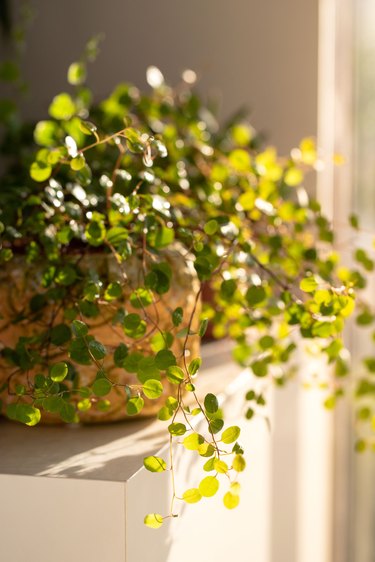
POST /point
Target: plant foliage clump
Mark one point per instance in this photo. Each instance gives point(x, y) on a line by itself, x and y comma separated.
point(131, 178)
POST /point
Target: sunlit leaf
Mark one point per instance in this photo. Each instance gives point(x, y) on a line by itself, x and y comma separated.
point(155, 464)
point(192, 495)
point(231, 434)
point(231, 500)
point(208, 486)
point(153, 520)
point(59, 371)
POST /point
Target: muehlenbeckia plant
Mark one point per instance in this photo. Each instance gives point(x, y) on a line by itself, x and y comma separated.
point(134, 179)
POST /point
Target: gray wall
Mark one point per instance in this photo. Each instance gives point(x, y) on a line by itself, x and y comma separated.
point(257, 53)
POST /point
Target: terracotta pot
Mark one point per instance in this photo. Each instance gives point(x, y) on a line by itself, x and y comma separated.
point(19, 281)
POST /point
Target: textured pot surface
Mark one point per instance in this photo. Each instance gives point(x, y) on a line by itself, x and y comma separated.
point(21, 281)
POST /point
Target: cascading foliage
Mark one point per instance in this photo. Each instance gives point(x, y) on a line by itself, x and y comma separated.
point(126, 181)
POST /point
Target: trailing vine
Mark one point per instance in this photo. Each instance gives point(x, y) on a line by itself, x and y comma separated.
point(137, 203)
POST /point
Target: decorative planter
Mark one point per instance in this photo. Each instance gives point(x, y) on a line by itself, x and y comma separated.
point(21, 281)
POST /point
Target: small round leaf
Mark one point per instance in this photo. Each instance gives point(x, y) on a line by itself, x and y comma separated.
point(192, 495)
point(177, 429)
point(194, 366)
point(152, 388)
point(155, 464)
point(59, 371)
point(175, 374)
point(211, 403)
point(79, 328)
point(209, 486)
point(239, 463)
point(231, 500)
point(134, 405)
point(164, 359)
point(192, 441)
point(102, 387)
point(216, 425)
point(153, 520)
point(231, 434)
point(308, 284)
point(221, 466)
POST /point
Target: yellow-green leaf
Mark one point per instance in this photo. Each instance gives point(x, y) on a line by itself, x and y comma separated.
point(76, 73)
point(152, 388)
point(40, 171)
point(293, 177)
point(209, 486)
point(192, 495)
point(235, 488)
point(59, 371)
point(153, 520)
point(175, 374)
point(239, 463)
point(155, 464)
point(62, 107)
point(192, 441)
point(231, 500)
point(240, 160)
point(231, 434)
point(78, 162)
point(134, 405)
point(308, 284)
point(221, 466)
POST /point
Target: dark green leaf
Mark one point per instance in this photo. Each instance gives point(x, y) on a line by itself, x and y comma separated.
point(260, 368)
point(203, 327)
point(177, 429)
point(66, 276)
point(216, 425)
point(95, 233)
point(177, 316)
point(120, 354)
point(24, 413)
point(134, 326)
point(164, 359)
point(255, 295)
point(68, 412)
point(79, 328)
point(53, 404)
point(79, 353)
point(113, 291)
point(97, 350)
point(102, 387)
point(211, 403)
point(60, 334)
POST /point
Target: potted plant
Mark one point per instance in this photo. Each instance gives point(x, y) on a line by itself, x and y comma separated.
point(112, 228)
